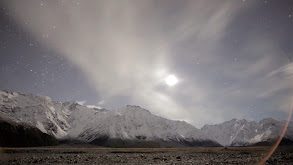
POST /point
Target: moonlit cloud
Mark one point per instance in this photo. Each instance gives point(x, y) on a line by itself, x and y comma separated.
point(127, 48)
point(81, 102)
point(94, 106)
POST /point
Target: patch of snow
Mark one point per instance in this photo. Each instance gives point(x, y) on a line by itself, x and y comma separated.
point(41, 127)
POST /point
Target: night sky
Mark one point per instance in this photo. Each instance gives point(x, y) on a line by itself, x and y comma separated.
point(232, 58)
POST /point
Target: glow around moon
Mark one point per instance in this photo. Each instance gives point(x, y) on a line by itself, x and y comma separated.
point(171, 80)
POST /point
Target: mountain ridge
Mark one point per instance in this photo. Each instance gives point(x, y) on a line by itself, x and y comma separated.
point(129, 124)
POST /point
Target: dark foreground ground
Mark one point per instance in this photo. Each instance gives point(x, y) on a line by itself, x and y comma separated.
point(90, 155)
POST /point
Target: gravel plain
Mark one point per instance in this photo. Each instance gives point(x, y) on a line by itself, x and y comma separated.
point(91, 155)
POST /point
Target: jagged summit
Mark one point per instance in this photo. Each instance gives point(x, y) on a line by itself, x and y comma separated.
point(132, 108)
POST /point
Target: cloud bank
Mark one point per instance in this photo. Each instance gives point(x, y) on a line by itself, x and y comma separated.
point(126, 48)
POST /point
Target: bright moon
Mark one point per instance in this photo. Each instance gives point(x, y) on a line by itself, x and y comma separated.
point(171, 80)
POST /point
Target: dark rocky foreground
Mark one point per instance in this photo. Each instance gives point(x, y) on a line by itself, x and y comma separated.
point(89, 155)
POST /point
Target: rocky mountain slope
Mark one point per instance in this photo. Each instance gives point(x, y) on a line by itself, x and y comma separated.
point(18, 134)
point(129, 125)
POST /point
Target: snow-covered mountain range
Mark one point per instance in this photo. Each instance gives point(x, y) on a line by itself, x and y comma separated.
point(70, 120)
point(242, 132)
